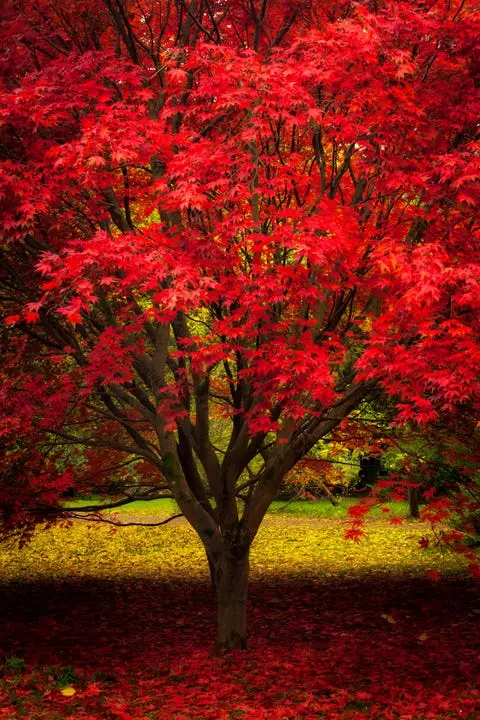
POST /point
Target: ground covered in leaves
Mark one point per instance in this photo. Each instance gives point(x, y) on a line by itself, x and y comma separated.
point(119, 626)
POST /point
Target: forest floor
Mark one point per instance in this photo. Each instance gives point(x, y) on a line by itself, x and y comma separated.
point(119, 624)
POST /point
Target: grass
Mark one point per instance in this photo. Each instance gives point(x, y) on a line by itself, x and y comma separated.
point(325, 509)
point(161, 507)
point(297, 508)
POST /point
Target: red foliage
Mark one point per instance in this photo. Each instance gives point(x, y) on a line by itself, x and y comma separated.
point(440, 510)
point(387, 99)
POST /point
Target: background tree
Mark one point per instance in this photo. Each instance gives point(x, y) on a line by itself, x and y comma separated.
point(252, 213)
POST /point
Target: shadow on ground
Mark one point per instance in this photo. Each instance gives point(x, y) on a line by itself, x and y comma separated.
point(350, 648)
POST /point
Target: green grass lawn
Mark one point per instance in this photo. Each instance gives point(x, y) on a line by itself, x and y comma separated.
point(297, 508)
point(325, 509)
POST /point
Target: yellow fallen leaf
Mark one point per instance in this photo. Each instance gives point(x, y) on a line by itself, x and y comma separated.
point(68, 691)
point(422, 637)
point(389, 619)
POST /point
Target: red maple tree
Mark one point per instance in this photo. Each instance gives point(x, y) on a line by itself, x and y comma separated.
point(251, 215)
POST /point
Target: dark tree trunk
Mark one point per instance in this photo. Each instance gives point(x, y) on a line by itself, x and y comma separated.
point(231, 589)
point(413, 502)
point(213, 578)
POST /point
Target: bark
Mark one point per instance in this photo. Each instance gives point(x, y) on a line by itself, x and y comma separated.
point(231, 590)
point(413, 502)
point(328, 493)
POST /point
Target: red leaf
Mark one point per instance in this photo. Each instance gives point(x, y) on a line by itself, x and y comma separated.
point(31, 316)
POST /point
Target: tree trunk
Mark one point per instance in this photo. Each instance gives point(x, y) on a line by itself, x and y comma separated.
point(231, 589)
point(328, 493)
point(413, 502)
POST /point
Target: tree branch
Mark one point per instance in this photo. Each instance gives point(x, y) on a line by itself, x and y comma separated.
point(127, 524)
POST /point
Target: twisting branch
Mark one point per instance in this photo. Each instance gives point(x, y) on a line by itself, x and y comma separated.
point(94, 518)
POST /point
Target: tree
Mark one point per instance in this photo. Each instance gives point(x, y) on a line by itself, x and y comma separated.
point(255, 214)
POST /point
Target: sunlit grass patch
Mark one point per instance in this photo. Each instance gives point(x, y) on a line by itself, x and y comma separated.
point(321, 508)
point(159, 507)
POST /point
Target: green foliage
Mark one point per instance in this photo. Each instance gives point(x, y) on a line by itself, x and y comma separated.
point(62, 675)
point(15, 664)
